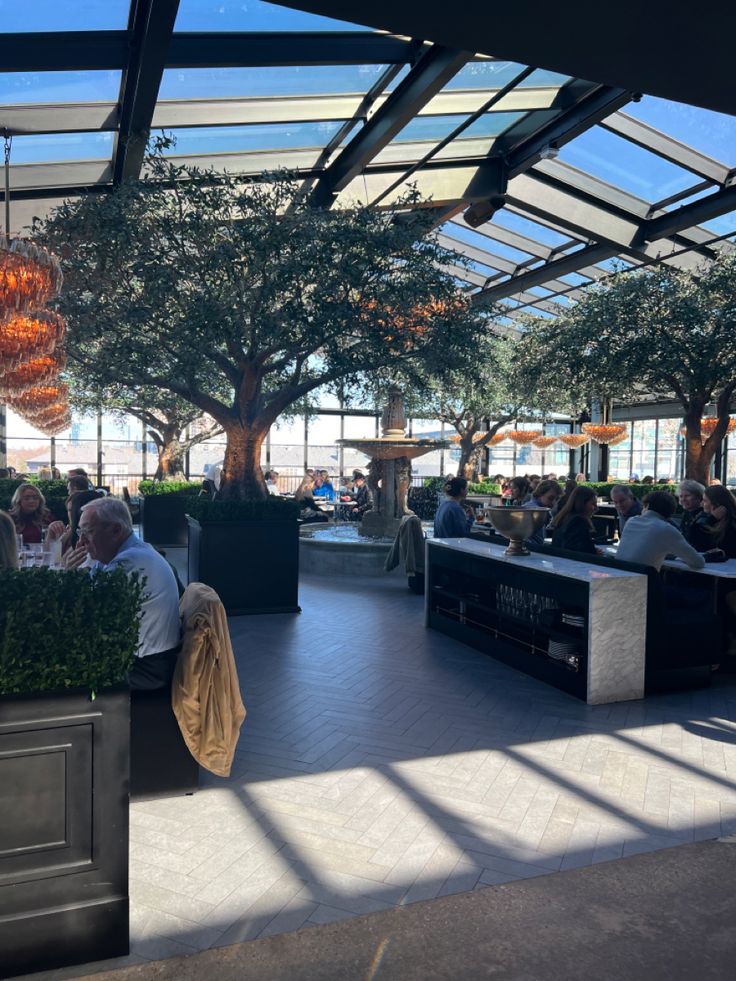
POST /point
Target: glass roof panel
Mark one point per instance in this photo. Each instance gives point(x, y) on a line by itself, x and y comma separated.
point(574, 279)
point(525, 226)
point(496, 74)
point(38, 88)
point(239, 139)
point(53, 15)
point(244, 83)
point(58, 147)
point(436, 128)
point(479, 241)
point(253, 15)
point(723, 225)
point(619, 162)
point(712, 133)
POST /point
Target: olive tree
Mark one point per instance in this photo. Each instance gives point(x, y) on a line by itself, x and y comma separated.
point(241, 298)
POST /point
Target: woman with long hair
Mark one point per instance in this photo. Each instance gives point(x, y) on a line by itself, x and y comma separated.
point(31, 516)
point(573, 526)
point(8, 543)
point(310, 510)
point(719, 506)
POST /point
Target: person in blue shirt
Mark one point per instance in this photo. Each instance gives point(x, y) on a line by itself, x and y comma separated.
point(454, 519)
point(323, 486)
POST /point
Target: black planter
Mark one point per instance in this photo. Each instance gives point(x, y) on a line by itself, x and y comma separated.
point(163, 519)
point(253, 566)
point(63, 829)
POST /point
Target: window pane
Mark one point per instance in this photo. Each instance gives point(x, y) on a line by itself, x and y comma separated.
point(239, 139)
point(713, 133)
point(65, 15)
point(222, 83)
point(58, 147)
point(38, 88)
point(234, 15)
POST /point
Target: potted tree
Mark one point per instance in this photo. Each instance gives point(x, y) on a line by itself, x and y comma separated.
point(242, 298)
point(66, 642)
point(163, 508)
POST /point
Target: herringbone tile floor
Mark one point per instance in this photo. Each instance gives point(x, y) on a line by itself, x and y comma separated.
point(382, 764)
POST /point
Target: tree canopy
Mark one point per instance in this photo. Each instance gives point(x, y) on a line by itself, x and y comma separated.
point(241, 298)
point(660, 332)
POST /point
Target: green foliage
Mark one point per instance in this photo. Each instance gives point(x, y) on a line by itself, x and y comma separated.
point(49, 488)
point(273, 508)
point(423, 500)
point(484, 487)
point(241, 297)
point(66, 630)
point(434, 483)
point(153, 488)
point(638, 490)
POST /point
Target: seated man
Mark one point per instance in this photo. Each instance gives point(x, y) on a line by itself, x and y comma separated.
point(693, 523)
point(106, 536)
point(454, 519)
point(546, 494)
point(627, 506)
point(649, 538)
point(272, 482)
point(363, 499)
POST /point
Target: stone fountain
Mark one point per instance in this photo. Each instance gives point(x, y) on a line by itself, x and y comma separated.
point(389, 470)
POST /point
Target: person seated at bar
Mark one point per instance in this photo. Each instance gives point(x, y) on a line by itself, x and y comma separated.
point(572, 528)
point(272, 482)
point(8, 543)
point(693, 520)
point(454, 518)
point(363, 498)
point(649, 538)
point(311, 513)
point(627, 506)
point(31, 517)
point(521, 492)
point(718, 528)
point(106, 536)
point(546, 494)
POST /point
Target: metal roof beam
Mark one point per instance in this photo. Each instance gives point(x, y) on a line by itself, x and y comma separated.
point(507, 237)
point(680, 220)
point(79, 117)
point(428, 77)
point(152, 25)
point(258, 50)
point(64, 51)
point(666, 147)
point(541, 276)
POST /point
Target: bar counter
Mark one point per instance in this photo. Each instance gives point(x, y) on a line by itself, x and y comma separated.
point(575, 625)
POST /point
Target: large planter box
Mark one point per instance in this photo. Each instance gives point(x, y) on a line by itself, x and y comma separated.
point(163, 519)
point(253, 566)
point(63, 829)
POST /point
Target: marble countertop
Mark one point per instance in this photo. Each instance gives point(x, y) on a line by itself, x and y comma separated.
point(537, 561)
point(717, 570)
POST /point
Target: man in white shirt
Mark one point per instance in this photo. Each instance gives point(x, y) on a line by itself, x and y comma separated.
point(649, 538)
point(106, 536)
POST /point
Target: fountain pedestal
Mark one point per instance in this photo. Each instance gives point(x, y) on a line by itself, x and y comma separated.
point(389, 472)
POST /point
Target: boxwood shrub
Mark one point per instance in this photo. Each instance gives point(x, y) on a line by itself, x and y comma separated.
point(273, 508)
point(62, 630)
point(638, 490)
point(484, 487)
point(150, 488)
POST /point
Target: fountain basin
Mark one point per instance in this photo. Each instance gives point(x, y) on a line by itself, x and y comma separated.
point(338, 551)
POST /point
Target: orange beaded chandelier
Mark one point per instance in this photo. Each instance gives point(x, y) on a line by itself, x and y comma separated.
point(478, 437)
point(603, 433)
point(708, 425)
point(574, 440)
point(37, 400)
point(544, 441)
point(37, 371)
point(523, 437)
point(26, 336)
point(29, 276)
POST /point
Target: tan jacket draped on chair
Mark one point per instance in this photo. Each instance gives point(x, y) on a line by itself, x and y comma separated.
point(205, 694)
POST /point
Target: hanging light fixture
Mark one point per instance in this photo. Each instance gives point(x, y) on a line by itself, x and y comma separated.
point(574, 440)
point(544, 441)
point(27, 336)
point(602, 433)
point(478, 437)
point(40, 398)
point(708, 425)
point(37, 371)
point(524, 436)
point(29, 275)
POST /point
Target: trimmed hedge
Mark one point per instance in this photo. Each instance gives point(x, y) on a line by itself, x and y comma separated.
point(151, 488)
point(273, 508)
point(49, 488)
point(638, 490)
point(62, 630)
point(484, 487)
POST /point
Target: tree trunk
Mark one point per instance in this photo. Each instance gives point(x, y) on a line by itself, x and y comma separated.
point(468, 457)
point(242, 477)
point(170, 461)
point(698, 457)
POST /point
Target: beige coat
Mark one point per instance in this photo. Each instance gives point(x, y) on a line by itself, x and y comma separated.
point(205, 693)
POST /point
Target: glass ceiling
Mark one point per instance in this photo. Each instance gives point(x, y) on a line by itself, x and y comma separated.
point(595, 181)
